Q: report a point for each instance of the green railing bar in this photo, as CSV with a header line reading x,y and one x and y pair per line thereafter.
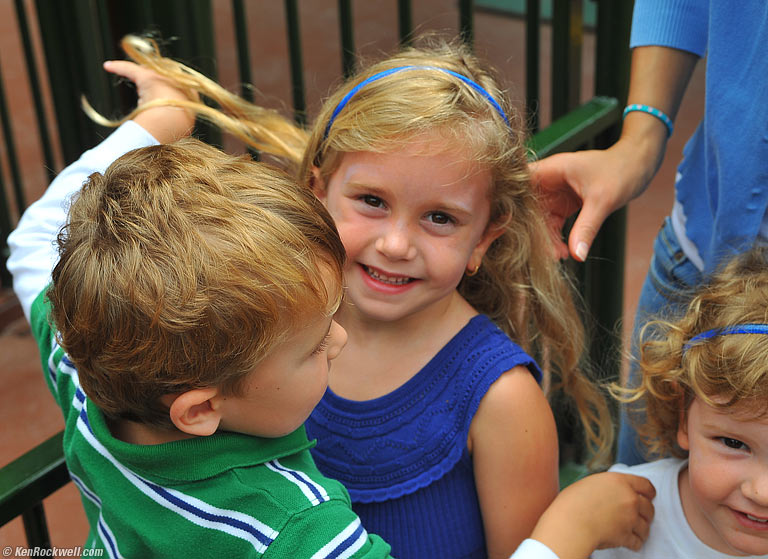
x,y
573,130
5,229
296,62
31,478
5,215
404,21
567,32
347,38
36,527
62,73
34,84
95,82
603,276
243,57
612,56
10,149
532,53
466,21
243,53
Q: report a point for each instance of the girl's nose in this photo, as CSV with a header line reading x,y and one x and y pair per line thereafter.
x,y
395,243
338,339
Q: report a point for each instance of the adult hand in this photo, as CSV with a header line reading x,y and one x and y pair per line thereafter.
x,y
597,182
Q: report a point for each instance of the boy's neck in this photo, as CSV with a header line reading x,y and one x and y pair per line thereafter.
x,y
144,434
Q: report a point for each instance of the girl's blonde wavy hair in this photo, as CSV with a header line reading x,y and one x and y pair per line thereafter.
x,y
723,371
520,285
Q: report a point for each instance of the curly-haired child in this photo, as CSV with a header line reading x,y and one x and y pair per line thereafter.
x,y
705,392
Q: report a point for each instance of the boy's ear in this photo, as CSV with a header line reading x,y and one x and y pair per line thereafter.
x,y
317,184
196,412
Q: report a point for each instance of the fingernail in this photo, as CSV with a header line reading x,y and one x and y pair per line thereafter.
x,y
581,251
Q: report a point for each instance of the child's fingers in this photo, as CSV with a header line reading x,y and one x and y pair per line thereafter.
x,y
642,486
124,68
646,510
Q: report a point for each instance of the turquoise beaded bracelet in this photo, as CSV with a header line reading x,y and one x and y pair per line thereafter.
x,y
651,111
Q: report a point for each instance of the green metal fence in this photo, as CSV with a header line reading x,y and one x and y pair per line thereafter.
x,y
78,35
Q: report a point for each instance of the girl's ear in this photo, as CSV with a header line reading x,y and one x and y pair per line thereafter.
x,y
492,232
682,426
317,184
197,412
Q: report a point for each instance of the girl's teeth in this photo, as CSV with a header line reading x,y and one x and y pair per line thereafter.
x,y
757,519
386,279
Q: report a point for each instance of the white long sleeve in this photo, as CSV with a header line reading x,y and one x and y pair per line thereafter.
x,y
533,549
33,252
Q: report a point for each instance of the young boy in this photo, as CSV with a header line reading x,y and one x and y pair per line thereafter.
x,y
193,296
705,387
186,333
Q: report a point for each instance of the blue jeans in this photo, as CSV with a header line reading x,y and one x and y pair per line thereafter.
x,y
667,289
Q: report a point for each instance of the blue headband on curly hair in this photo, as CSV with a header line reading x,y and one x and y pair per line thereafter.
x,y
474,85
735,329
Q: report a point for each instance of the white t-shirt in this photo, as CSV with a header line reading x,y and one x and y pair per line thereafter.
x,y
670,537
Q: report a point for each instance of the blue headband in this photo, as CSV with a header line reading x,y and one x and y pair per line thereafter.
x,y
477,87
736,329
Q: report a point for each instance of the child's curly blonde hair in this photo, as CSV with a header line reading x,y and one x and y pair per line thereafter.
x,y
705,355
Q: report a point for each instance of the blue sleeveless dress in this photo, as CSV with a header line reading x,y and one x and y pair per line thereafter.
x,y
403,456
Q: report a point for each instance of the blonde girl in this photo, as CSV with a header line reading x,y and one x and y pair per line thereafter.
x,y
434,418
704,390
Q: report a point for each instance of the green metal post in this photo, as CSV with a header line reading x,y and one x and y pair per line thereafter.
x,y
604,273
296,62
404,21
532,52
347,38
567,31
466,21
34,84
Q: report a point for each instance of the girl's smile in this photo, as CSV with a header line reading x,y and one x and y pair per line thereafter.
x,y
412,222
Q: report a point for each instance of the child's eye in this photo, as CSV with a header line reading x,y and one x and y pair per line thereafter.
x,y
323,345
733,443
373,201
440,218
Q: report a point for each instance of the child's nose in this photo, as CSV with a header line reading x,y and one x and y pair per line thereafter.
x,y
395,243
755,486
338,340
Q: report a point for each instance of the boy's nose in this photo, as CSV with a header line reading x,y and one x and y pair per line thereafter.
x,y
395,243
338,336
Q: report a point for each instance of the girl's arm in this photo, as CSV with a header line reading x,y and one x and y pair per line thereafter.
x,y
600,511
513,442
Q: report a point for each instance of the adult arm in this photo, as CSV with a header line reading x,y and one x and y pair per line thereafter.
x,y
601,181
513,442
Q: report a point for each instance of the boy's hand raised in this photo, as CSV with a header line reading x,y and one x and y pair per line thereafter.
x,y
165,122
599,511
